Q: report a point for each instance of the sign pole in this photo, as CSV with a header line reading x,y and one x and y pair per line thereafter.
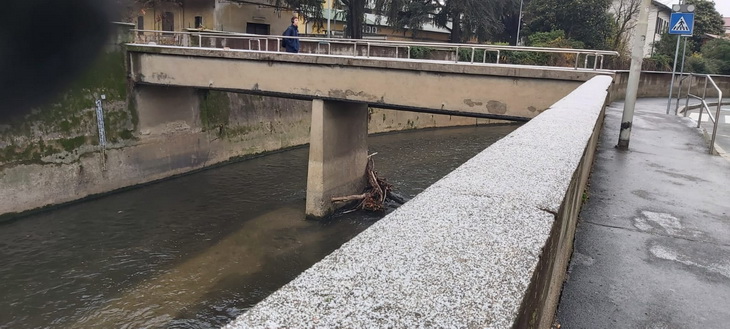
x,y
674,73
681,74
681,24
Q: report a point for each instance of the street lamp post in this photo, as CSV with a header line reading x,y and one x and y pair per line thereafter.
x,y
519,25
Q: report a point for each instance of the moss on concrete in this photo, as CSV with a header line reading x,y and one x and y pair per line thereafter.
x,y
215,110
132,109
70,144
126,134
69,121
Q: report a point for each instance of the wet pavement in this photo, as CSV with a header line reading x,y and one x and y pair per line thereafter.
x,y
652,248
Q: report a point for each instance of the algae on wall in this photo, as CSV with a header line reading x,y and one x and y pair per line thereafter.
x,y
215,110
65,129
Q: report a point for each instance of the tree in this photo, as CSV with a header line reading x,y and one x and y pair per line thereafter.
x,y
128,8
510,21
155,3
718,50
667,45
311,10
714,59
355,15
405,14
707,21
587,21
625,13
465,19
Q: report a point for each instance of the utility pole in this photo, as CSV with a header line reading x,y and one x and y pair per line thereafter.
x,y
329,15
519,25
632,90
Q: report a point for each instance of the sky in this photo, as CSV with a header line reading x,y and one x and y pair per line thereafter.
x,y
723,6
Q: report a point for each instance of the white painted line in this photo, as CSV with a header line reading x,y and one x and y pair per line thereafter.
x,y
695,116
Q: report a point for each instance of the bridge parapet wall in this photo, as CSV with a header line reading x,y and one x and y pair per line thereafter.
x,y
656,84
486,246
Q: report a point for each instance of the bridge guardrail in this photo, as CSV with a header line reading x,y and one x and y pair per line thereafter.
x,y
449,52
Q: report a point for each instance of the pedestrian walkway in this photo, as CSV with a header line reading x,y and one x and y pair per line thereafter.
x,y
652,248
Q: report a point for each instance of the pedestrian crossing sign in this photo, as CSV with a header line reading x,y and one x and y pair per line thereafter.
x,y
682,23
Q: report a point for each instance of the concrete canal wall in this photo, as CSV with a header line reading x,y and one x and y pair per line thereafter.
x,y
53,155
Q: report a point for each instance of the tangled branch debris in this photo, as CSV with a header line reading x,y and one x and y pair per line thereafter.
x,y
376,194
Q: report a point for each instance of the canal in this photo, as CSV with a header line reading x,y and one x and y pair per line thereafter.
x,y
197,251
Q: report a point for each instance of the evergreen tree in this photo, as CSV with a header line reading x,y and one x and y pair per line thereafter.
x,y
587,21
465,19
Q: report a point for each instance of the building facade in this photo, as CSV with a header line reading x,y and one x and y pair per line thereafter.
x,y
374,27
659,14
251,16
260,17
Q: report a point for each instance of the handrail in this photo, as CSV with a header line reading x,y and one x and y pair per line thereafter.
x,y
705,106
413,43
362,47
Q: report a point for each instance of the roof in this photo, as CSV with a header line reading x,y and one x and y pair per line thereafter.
x,y
663,4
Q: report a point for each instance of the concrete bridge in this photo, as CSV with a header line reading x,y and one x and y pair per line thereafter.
x,y
342,88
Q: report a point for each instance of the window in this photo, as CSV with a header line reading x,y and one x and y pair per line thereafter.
x,y
256,28
140,24
662,26
198,22
168,21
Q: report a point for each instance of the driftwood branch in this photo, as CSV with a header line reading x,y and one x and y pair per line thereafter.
x,y
350,198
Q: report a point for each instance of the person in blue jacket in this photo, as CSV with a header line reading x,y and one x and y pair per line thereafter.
x,y
292,44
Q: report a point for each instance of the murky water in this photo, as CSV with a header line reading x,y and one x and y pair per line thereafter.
x,y
199,250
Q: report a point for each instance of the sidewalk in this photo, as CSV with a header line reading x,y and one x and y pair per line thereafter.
x,y
652,248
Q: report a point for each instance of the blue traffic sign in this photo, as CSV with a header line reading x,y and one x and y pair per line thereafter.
x,y
682,23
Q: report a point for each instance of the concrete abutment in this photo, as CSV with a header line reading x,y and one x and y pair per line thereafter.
x,y
163,109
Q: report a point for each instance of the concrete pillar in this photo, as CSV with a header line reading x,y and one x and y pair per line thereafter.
x,y
337,154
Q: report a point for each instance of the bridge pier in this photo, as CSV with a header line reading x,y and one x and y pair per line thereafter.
x,y
337,154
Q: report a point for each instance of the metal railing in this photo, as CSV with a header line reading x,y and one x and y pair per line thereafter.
x,y
449,52
166,38
705,107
